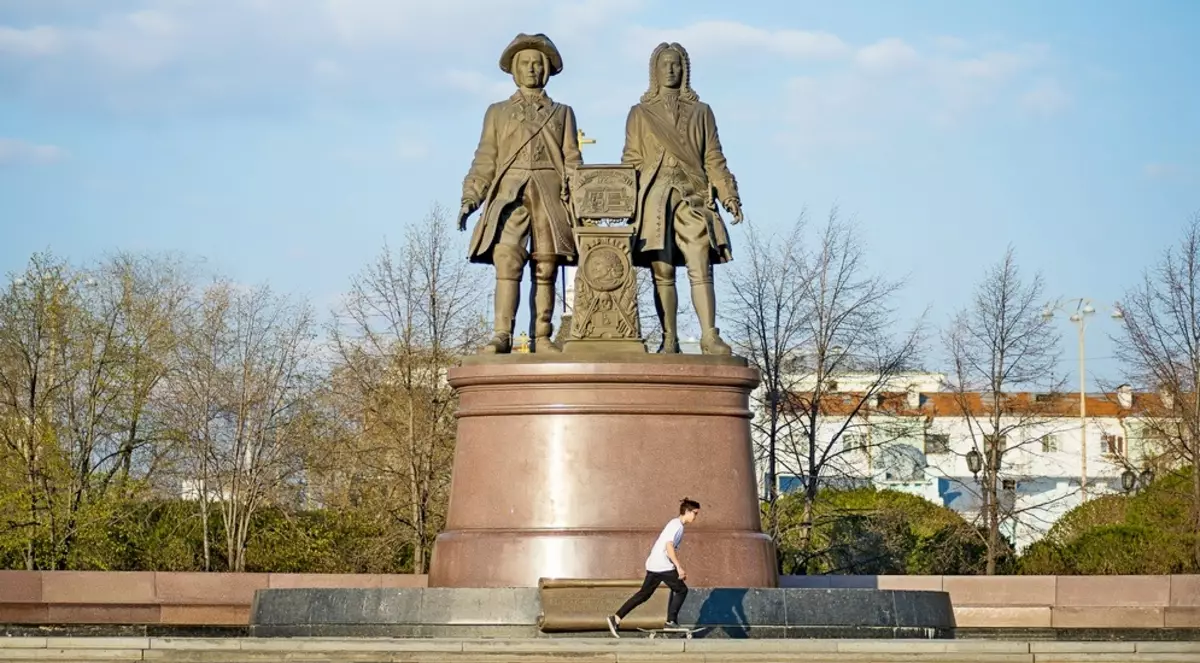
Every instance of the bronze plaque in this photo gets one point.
(604, 192)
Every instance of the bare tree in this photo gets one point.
(116, 351)
(151, 295)
(240, 404)
(999, 345)
(805, 317)
(409, 316)
(34, 327)
(1161, 349)
(82, 351)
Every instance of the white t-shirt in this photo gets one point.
(658, 562)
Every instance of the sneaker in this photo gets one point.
(670, 624)
(611, 620)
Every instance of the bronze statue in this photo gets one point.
(671, 139)
(527, 152)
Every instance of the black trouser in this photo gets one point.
(678, 588)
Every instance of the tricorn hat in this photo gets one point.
(538, 42)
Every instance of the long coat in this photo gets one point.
(515, 130)
(689, 145)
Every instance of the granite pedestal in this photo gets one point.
(569, 465)
(514, 612)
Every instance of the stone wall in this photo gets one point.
(66, 597)
(1048, 601)
(117, 597)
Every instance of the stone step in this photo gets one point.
(591, 650)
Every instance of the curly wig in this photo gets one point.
(685, 89)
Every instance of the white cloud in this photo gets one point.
(860, 93)
(14, 151)
(413, 142)
(887, 56)
(31, 42)
(947, 43)
(1046, 97)
(893, 86)
(585, 16)
(327, 70)
(991, 66)
(180, 55)
(1163, 171)
(408, 142)
(412, 149)
(715, 37)
(832, 110)
(363, 23)
(476, 84)
(154, 55)
(153, 22)
(963, 85)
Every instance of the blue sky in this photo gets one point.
(283, 140)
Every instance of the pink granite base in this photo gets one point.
(569, 469)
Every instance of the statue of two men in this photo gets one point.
(527, 153)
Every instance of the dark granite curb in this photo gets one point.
(513, 612)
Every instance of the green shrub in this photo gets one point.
(867, 531)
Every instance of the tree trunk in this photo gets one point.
(993, 526)
(806, 522)
(416, 514)
(227, 517)
(204, 527)
(126, 456)
(242, 533)
(1196, 507)
(30, 558)
(772, 480)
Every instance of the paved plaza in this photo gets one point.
(239, 650)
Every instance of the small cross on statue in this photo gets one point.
(583, 139)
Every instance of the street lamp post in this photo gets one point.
(1082, 310)
(1132, 481)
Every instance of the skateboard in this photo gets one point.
(687, 632)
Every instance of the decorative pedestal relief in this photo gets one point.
(605, 317)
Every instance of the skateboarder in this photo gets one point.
(662, 565)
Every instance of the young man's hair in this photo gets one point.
(686, 505)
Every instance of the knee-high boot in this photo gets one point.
(704, 298)
(509, 262)
(545, 271)
(666, 301)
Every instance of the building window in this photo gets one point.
(937, 443)
(1049, 443)
(790, 484)
(1113, 445)
(854, 442)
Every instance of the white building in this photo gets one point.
(915, 439)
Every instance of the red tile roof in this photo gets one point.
(953, 404)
